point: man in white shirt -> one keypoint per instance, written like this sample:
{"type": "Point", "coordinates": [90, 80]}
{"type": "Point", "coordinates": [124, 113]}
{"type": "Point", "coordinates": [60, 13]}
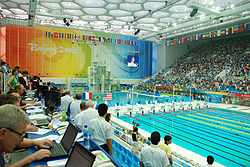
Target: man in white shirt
{"type": "Point", "coordinates": [101, 131]}
{"type": "Point", "coordinates": [75, 105]}
{"type": "Point", "coordinates": [153, 156]}
{"type": "Point", "coordinates": [65, 100]}
{"type": "Point", "coordinates": [87, 113]}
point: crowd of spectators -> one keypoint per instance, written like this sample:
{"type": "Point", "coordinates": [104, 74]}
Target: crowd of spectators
{"type": "Point", "coordinates": [219, 65]}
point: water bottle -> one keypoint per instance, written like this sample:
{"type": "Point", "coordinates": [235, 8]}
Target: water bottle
{"type": "Point", "coordinates": [64, 115]}
{"type": "Point", "coordinates": [86, 136]}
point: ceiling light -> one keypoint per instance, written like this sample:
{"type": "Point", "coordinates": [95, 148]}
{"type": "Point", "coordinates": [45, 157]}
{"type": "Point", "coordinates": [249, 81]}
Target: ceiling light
{"type": "Point", "coordinates": [202, 15]}
{"type": "Point", "coordinates": [211, 2]}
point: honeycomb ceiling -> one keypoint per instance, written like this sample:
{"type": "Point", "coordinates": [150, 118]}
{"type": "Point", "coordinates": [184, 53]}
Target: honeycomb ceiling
{"type": "Point", "coordinates": [152, 17]}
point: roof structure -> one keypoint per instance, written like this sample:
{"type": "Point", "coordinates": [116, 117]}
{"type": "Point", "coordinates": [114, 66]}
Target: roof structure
{"type": "Point", "coordinates": [153, 20]}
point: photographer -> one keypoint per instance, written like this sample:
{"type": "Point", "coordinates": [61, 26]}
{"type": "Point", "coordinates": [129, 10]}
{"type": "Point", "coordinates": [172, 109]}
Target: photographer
{"type": "Point", "coordinates": [135, 138]}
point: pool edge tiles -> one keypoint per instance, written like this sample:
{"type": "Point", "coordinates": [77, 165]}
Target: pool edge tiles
{"type": "Point", "coordinates": [182, 153]}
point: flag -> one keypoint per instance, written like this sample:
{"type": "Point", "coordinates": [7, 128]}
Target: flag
{"type": "Point", "coordinates": [246, 27]}
{"type": "Point", "coordinates": [215, 33]}
{"type": "Point", "coordinates": [47, 34]}
{"type": "Point", "coordinates": [197, 37]}
{"type": "Point", "coordinates": [222, 32]}
{"type": "Point", "coordinates": [88, 95]}
{"type": "Point", "coordinates": [97, 97]}
{"type": "Point", "coordinates": [190, 38]}
{"type": "Point", "coordinates": [231, 30]}
{"type": "Point", "coordinates": [218, 33]}
{"type": "Point", "coordinates": [210, 34]}
{"type": "Point", "coordinates": [194, 37]}
{"type": "Point", "coordinates": [227, 31]}
{"type": "Point", "coordinates": [241, 28]}
{"type": "Point", "coordinates": [107, 97]}
{"type": "Point", "coordinates": [236, 29]}
{"type": "Point", "coordinates": [56, 35]}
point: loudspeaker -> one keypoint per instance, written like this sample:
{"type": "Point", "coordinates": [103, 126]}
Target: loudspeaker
{"type": "Point", "coordinates": [193, 13]}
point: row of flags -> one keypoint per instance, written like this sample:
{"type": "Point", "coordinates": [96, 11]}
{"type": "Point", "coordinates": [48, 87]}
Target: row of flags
{"type": "Point", "coordinates": [212, 34]}
{"type": "Point", "coordinates": [90, 38]}
{"type": "Point", "coordinates": [97, 96]}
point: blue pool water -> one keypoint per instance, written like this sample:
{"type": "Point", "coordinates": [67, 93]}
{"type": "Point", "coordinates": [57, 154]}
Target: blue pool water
{"type": "Point", "coordinates": [218, 132]}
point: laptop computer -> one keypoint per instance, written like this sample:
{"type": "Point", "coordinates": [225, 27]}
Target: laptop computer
{"type": "Point", "coordinates": [80, 157]}
{"type": "Point", "coordinates": [61, 150]}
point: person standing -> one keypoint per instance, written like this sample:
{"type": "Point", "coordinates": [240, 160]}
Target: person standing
{"type": "Point", "coordinates": [135, 144]}
{"type": "Point", "coordinates": [165, 146]}
{"type": "Point", "coordinates": [13, 79]}
{"type": "Point", "coordinates": [87, 113]}
{"type": "Point", "coordinates": [23, 79]}
{"type": "Point", "coordinates": [153, 156]}
{"type": "Point", "coordinates": [101, 131]}
{"type": "Point", "coordinates": [65, 100]}
{"type": "Point", "coordinates": [75, 105]}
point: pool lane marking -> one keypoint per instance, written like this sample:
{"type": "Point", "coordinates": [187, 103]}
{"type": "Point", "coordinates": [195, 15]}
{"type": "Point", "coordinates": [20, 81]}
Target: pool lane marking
{"type": "Point", "coordinates": [194, 140]}
{"type": "Point", "coordinates": [230, 143]}
{"type": "Point", "coordinates": [131, 116]}
{"type": "Point", "coordinates": [223, 119]}
{"type": "Point", "coordinates": [195, 112]}
{"type": "Point", "coordinates": [216, 121]}
{"type": "Point", "coordinates": [207, 123]}
{"type": "Point", "coordinates": [226, 132]}
{"type": "Point", "coordinates": [228, 114]}
{"type": "Point", "coordinates": [238, 115]}
{"type": "Point", "coordinates": [214, 125]}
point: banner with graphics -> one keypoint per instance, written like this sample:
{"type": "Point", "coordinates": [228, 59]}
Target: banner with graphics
{"type": "Point", "coordinates": [61, 52]}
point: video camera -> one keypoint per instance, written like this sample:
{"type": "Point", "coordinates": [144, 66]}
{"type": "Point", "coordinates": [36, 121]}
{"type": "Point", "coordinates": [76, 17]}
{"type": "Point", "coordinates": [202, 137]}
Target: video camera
{"type": "Point", "coordinates": [135, 124]}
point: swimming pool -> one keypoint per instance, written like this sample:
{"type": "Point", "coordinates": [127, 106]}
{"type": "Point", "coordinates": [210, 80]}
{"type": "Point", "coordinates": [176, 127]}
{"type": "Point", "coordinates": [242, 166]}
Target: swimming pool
{"type": "Point", "coordinates": [221, 133]}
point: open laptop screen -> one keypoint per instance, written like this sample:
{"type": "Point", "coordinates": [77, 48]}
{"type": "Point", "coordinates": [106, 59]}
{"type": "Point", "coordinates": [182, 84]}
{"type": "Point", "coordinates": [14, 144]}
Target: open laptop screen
{"type": "Point", "coordinates": [80, 157]}
{"type": "Point", "coordinates": [69, 137]}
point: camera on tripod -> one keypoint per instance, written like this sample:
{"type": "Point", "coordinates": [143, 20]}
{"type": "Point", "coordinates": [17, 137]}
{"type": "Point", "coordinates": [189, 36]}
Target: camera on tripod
{"type": "Point", "coordinates": [135, 124]}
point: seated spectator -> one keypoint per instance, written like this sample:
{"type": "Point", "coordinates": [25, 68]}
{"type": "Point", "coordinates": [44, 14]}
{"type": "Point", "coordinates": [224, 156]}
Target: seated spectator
{"type": "Point", "coordinates": [87, 113]}
{"type": "Point", "coordinates": [153, 156]}
{"type": "Point", "coordinates": [13, 122]}
{"type": "Point", "coordinates": [165, 146]}
{"type": "Point", "coordinates": [101, 131]}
